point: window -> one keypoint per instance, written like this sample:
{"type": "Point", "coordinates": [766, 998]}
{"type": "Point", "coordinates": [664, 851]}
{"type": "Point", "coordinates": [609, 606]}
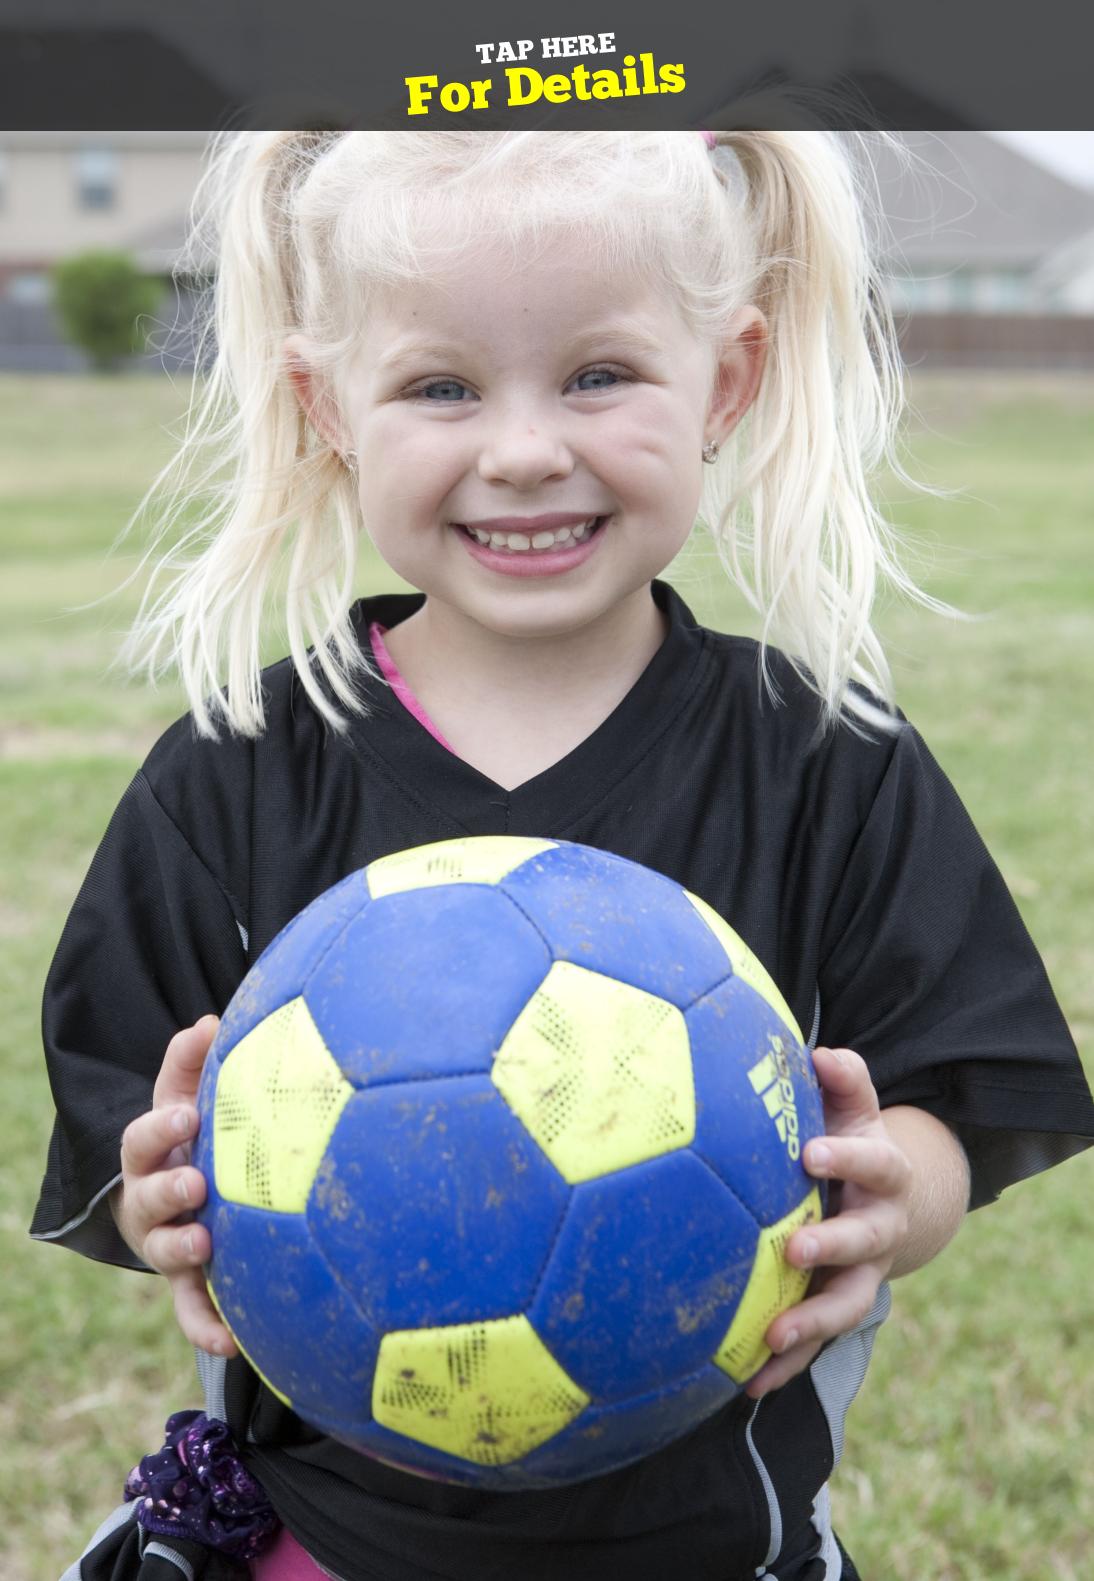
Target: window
{"type": "Point", "coordinates": [30, 287]}
{"type": "Point", "coordinates": [96, 178]}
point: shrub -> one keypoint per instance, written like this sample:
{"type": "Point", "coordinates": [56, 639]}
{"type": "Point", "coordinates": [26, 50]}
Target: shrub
{"type": "Point", "coordinates": [99, 298]}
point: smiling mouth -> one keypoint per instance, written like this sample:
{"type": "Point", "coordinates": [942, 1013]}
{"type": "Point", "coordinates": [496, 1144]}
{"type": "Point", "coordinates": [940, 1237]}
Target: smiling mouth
{"type": "Point", "coordinates": [521, 542]}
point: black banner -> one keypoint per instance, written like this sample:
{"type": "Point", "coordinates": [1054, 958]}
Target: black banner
{"type": "Point", "coordinates": [203, 64]}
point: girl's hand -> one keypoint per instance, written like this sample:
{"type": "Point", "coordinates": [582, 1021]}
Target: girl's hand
{"type": "Point", "coordinates": [854, 1250]}
{"type": "Point", "coordinates": [153, 1206]}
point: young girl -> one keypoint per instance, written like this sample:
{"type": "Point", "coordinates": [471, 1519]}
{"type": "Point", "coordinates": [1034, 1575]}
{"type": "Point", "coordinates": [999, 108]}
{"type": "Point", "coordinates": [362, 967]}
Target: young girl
{"type": "Point", "coordinates": [521, 362]}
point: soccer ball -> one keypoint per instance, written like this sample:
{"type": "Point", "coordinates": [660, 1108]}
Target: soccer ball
{"type": "Point", "coordinates": [503, 1145]}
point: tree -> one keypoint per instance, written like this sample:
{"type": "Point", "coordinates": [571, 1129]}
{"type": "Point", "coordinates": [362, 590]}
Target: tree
{"type": "Point", "coordinates": [99, 297]}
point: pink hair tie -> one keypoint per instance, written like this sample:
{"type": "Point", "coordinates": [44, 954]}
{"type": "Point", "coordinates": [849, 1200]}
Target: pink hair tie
{"type": "Point", "coordinates": [708, 138]}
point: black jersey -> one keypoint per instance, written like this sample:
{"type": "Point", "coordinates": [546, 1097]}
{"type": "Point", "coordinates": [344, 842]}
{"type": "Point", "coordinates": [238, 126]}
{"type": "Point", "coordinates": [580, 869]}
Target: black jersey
{"type": "Point", "coordinates": [848, 865]}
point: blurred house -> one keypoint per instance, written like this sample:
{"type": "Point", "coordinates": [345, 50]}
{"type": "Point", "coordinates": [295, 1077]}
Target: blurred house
{"type": "Point", "coordinates": [70, 192]}
{"type": "Point", "coordinates": [989, 256]}
{"type": "Point", "coordinates": [976, 227]}
{"type": "Point", "coordinates": [1067, 275]}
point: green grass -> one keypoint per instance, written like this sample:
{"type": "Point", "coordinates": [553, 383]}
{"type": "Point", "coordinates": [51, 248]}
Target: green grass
{"type": "Point", "coordinates": [968, 1453]}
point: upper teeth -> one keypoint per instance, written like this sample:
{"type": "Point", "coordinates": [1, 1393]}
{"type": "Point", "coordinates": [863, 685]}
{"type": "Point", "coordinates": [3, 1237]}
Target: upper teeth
{"type": "Point", "coordinates": [539, 540]}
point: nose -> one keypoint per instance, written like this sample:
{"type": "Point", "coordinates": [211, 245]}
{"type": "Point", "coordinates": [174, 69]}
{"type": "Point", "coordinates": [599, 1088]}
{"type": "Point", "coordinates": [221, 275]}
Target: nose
{"type": "Point", "coordinates": [524, 448]}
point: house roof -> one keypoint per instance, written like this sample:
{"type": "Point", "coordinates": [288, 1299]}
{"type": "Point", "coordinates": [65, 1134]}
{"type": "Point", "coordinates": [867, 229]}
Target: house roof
{"type": "Point", "coordinates": [965, 199]}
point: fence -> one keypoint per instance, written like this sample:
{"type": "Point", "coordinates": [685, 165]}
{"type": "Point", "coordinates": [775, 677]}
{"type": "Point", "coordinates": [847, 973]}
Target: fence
{"type": "Point", "coordinates": [31, 340]}
{"type": "Point", "coordinates": [933, 341]}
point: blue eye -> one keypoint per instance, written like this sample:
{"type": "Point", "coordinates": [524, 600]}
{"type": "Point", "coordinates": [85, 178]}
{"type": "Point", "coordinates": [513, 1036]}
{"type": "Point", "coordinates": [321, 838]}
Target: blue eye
{"type": "Point", "coordinates": [448, 385]}
{"type": "Point", "coordinates": [606, 377]}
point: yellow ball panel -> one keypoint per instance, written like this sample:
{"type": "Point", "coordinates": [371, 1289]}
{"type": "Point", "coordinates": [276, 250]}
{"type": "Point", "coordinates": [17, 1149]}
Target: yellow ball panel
{"type": "Point", "coordinates": [774, 1285]}
{"type": "Point", "coordinates": [599, 1072]}
{"type": "Point", "coordinates": [487, 1392]}
{"type": "Point", "coordinates": [744, 964]}
{"type": "Point", "coordinates": [482, 859]}
{"type": "Point", "coordinates": [280, 1093]}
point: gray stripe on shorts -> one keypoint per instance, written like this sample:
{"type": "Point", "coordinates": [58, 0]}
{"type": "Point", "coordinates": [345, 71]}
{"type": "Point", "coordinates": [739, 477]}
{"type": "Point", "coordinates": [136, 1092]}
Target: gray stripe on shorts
{"type": "Point", "coordinates": [181, 1563]}
{"type": "Point", "coordinates": [211, 1371]}
{"type": "Point", "coordinates": [837, 1376]}
{"type": "Point", "coordinates": [116, 1518]}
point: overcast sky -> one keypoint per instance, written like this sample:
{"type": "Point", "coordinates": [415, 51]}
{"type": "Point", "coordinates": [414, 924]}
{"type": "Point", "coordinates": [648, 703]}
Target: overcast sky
{"type": "Point", "coordinates": [1070, 154]}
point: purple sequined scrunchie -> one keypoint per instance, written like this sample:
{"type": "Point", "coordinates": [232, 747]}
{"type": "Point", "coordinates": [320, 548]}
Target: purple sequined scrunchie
{"type": "Point", "coordinates": [197, 1488]}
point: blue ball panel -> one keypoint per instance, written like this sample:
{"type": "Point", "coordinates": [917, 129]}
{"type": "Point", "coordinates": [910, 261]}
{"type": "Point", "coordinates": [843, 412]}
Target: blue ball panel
{"type": "Point", "coordinates": [645, 1276]}
{"type": "Point", "coordinates": [388, 1013]}
{"type": "Point", "coordinates": [290, 1313]}
{"type": "Point", "coordinates": [612, 916]}
{"type": "Point", "coordinates": [603, 1438]}
{"type": "Point", "coordinates": [731, 1029]}
{"type": "Point", "coordinates": [434, 1205]}
{"type": "Point", "coordinates": [201, 1152]}
{"type": "Point", "coordinates": [282, 969]}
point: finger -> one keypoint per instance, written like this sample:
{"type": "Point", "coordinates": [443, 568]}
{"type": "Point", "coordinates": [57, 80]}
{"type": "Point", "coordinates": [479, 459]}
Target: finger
{"type": "Point", "coordinates": [197, 1316]}
{"type": "Point", "coordinates": [872, 1162]}
{"type": "Point", "coordinates": [149, 1140]}
{"type": "Point", "coordinates": [780, 1369]}
{"type": "Point", "coordinates": [180, 1073]}
{"type": "Point", "coordinates": [857, 1235]}
{"type": "Point", "coordinates": [158, 1199]}
{"type": "Point", "coordinates": [177, 1248]}
{"type": "Point", "coordinates": [843, 1302]}
{"type": "Point", "coordinates": [847, 1086]}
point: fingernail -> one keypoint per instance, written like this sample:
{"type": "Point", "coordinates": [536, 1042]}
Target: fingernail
{"type": "Point", "coordinates": [820, 1157]}
{"type": "Point", "coordinates": [188, 1243]}
{"type": "Point", "coordinates": [789, 1342]}
{"type": "Point", "coordinates": [839, 1056]}
{"type": "Point", "coordinates": [182, 1190]}
{"type": "Point", "coordinates": [810, 1248]}
{"type": "Point", "coordinates": [180, 1122]}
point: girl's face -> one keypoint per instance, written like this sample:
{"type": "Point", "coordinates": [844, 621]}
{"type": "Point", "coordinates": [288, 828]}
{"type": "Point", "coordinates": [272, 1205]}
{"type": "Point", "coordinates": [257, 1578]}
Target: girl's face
{"type": "Point", "coordinates": [529, 439]}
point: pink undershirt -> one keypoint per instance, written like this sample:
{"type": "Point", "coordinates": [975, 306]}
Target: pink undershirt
{"type": "Point", "coordinates": [398, 685]}
{"type": "Point", "coordinates": [286, 1560]}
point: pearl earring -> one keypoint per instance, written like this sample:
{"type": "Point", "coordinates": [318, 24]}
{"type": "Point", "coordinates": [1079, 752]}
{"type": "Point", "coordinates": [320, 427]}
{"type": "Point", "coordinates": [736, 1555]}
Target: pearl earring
{"type": "Point", "coordinates": [349, 457]}
{"type": "Point", "coordinates": [710, 452]}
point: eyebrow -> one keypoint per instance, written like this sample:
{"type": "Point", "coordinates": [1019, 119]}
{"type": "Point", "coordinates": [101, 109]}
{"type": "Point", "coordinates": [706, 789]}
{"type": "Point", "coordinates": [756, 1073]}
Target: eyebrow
{"type": "Point", "coordinates": [417, 351]}
{"type": "Point", "coordinates": [624, 334]}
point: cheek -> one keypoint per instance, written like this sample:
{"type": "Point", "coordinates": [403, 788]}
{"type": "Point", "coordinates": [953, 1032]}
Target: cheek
{"type": "Point", "coordinates": [406, 466]}
{"type": "Point", "coordinates": [657, 434]}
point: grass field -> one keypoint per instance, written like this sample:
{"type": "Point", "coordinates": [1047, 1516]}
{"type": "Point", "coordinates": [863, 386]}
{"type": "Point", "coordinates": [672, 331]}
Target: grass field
{"type": "Point", "coordinates": [969, 1453]}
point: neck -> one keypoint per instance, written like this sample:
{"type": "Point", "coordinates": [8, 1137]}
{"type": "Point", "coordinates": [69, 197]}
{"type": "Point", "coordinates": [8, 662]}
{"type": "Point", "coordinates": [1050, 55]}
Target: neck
{"type": "Point", "coordinates": [512, 706]}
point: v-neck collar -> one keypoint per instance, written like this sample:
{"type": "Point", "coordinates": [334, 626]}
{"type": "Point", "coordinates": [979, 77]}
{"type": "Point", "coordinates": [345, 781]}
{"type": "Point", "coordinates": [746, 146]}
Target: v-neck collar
{"type": "Point", "coordinates": [558, 796]}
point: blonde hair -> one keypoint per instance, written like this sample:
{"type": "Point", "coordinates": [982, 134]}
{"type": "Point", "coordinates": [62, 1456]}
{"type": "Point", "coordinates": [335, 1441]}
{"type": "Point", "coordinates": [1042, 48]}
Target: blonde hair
{"type": "Point", "coordinates": [305, 227]}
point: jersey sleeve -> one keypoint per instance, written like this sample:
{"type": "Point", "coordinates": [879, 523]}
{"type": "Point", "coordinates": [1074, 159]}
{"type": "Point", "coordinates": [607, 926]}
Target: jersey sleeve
{"type": "Point", "coordinates": [153, 943]}
{"type": "Point", "coordinates": [930, 974]}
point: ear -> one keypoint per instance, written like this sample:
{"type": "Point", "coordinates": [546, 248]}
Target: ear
{"type": "Point", "coordinates": [318, 404]}
{"type": "Point", "coordinates": [738, 372]}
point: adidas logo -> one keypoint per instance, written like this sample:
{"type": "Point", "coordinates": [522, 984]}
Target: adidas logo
{"type": "Point", "coordinates": [770, 1079]}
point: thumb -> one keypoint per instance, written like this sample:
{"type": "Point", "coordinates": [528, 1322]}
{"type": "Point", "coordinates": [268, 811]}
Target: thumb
{"type": "Point", "coordinates": [180, 1073]}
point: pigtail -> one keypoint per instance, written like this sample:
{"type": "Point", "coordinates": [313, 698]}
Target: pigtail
{"type": "Point", "coordinates": [792, 514]}
{"type": "Point", "coordinates": [246, 504]}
